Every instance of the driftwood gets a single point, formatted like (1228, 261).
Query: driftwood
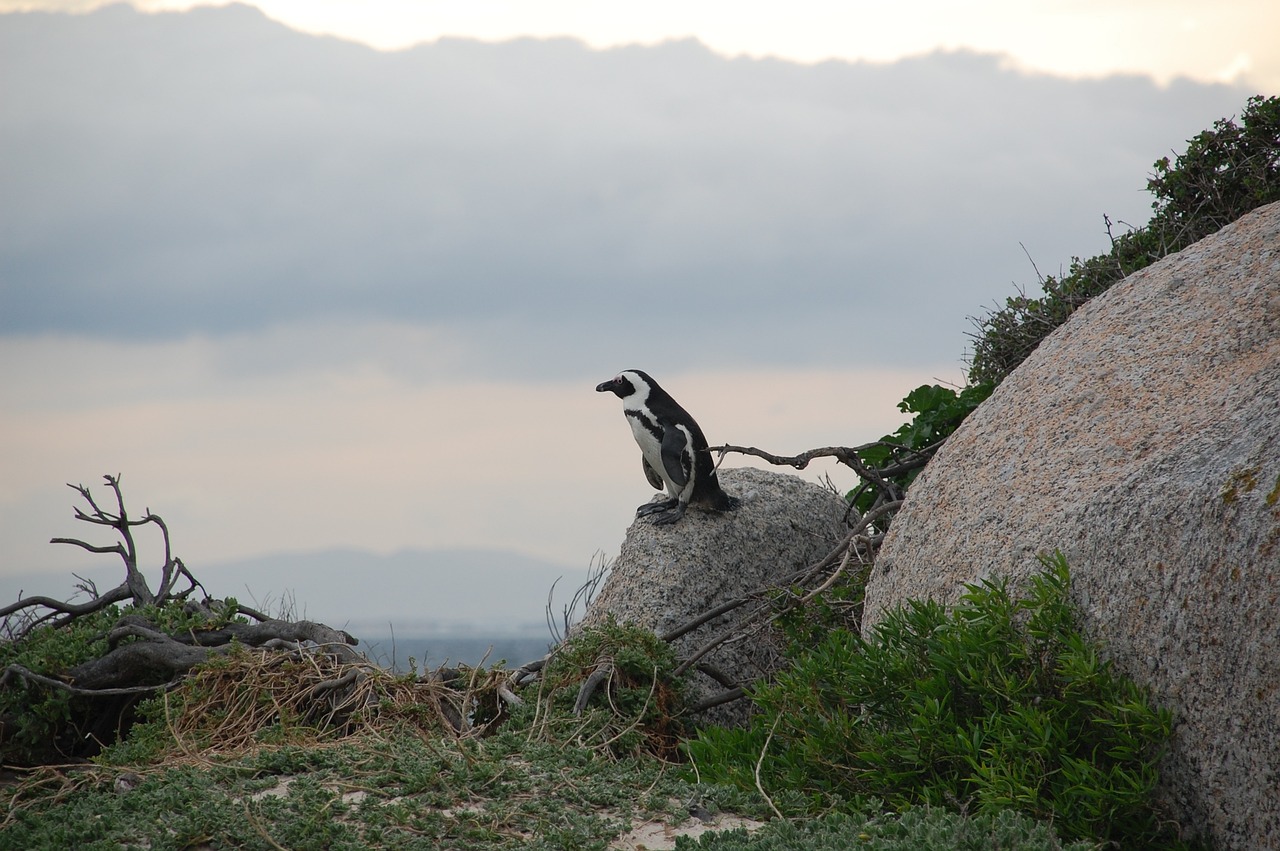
(143, 656)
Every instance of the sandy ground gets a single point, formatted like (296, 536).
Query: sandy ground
(658, 836)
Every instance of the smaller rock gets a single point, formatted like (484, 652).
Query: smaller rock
(665, 576)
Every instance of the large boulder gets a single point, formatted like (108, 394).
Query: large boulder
(665, 576)
(1142, 439)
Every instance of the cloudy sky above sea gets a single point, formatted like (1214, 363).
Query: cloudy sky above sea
(344, 275)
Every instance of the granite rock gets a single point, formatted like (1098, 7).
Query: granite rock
(1142, 439)
(666, 576)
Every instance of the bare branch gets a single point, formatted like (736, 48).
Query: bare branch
(718, 675)
(93, 548)
(333, 641)
(736, 693)
(910, 459)
(245, 610)
(115, 595)
(760, 762)
(128, 552)
(88, 586)
(27, 674)
(773, 599)
(603, 670)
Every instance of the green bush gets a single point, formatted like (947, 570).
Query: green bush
(39, 723)
(634, 706)
(938, 412)
(999, 703)
(1224, 173)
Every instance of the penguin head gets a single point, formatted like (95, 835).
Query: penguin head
(627, 383)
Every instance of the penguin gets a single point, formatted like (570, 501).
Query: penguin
(673, 450)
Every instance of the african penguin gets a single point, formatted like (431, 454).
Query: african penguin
(673, 451)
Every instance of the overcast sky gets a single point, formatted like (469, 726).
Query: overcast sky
(305, 293)
(1226, 41)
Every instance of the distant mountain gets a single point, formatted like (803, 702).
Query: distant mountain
(415, 594)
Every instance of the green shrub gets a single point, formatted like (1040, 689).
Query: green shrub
(633, 708)
(938, 412)
(999, 703)
(1224, 173)
(39, 723)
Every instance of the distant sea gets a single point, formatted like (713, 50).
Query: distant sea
(432, 651)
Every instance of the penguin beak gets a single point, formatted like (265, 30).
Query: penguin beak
(604, 387)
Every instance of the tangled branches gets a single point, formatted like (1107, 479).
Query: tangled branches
(134, 587)
(233, 704)
(98, 660)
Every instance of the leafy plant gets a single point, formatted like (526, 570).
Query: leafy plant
(938, 412)
(838, 607)
(1224, 173)
(999, 703)
(37, 721)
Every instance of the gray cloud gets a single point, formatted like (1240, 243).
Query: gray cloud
(213, 172)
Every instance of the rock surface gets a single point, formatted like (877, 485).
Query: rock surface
(666, 576)
(1142, 439)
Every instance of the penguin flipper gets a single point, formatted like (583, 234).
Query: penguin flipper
(652, 476)
(675, 442)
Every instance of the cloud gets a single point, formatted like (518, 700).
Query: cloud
(214, 172)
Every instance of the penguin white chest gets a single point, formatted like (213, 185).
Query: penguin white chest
(649, 443)
(648, 435)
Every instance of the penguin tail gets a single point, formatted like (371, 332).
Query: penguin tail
(726, 503)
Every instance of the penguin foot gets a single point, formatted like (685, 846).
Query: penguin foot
(655, 507)
(666, 518)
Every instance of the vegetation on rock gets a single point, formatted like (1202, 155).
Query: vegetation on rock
(1224, 173)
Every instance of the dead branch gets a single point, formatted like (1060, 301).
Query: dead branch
(149, 662)
(774, 599)
(907, 459)
(718, 675)
(603, 670)
(331, 640)
(336, 683)
(16, 670)
(886, 481)
(729, 696)
(145, 657)
(581, 598)
(115, 595)
(134, 587)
